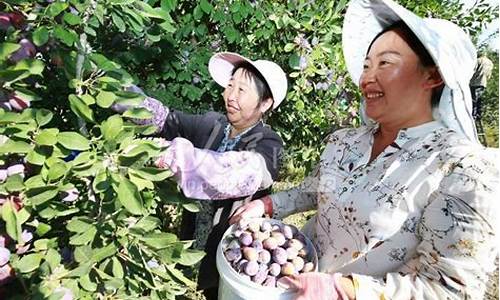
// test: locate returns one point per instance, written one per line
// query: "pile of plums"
(264, 251)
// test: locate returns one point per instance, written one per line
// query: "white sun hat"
(221, 66)
(449, 46)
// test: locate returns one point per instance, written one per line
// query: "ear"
(433, 78)
(266, 104)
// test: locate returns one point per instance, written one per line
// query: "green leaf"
(190, 257)
(12, 225)
(42, 194)
(118, 21)
(101, 182)
(6, 49)
(40, 36)
(57, 170)
(79, 225)
(105, 99)
(129, 197)
(47, 137)
(34, 182)
(68, 37)
(80, 108)
(112, 127)
(87, 99)
(38, 155)
(117, 268)
(206, 6)
(179, 276)
(159, 240)
(147, 223)
(14, 183)
(11, 146)
(138, 113)
(101, 253)
(84, 238)
(87, 284)
(289, 47)
(45, 244)
(35, 67)
(72, 140)
(83, 254)
(53, 258)
(42, 229)
(72, 19)
(153, 174)
(140, 182)
(56, 8)
(29, 263)
(192, 207)
(43, 116)
(82, 270)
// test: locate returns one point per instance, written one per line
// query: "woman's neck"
(235, 130)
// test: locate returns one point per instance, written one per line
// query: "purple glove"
(316, 286)
(159, 111)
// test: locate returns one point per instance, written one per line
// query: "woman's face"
(394, 83)
(242, 101)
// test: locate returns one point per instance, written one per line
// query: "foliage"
(82, 208)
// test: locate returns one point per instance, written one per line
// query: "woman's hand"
(317, 286)
(253, 209)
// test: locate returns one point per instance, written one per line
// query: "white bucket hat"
(449, 46)
(221, 66)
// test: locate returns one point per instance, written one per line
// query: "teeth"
(374, 95)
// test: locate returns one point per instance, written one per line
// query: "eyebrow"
(385, 52)
(241, 82)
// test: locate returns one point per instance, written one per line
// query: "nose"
(367, 77)
(232, 94)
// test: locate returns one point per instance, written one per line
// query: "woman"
(406, 203)
(233, 157)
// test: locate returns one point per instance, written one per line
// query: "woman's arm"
(457, 232)
(209, 175)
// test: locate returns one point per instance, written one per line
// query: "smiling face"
(243, 106)
(396, 87)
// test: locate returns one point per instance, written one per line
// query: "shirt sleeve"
(208, 175)
(457, 232)
(297, 199)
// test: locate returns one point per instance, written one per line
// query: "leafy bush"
(82, 208)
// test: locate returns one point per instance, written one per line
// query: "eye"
(230, 85)
(384, 62)
(242, 90)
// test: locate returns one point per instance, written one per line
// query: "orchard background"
(84, 215)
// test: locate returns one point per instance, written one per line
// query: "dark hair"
(416, 45)
(263, 90)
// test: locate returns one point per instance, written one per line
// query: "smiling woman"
(405, 204)
(247, 97)
(229, 158)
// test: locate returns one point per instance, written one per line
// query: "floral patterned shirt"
(417, 222)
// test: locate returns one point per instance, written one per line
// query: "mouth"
(373, 95)
(232, 109)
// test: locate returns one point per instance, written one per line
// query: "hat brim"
(362, 25)
(221, 66)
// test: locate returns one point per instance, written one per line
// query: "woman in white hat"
(406, 205)
(229, 158)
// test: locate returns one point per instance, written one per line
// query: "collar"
(406, 134)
